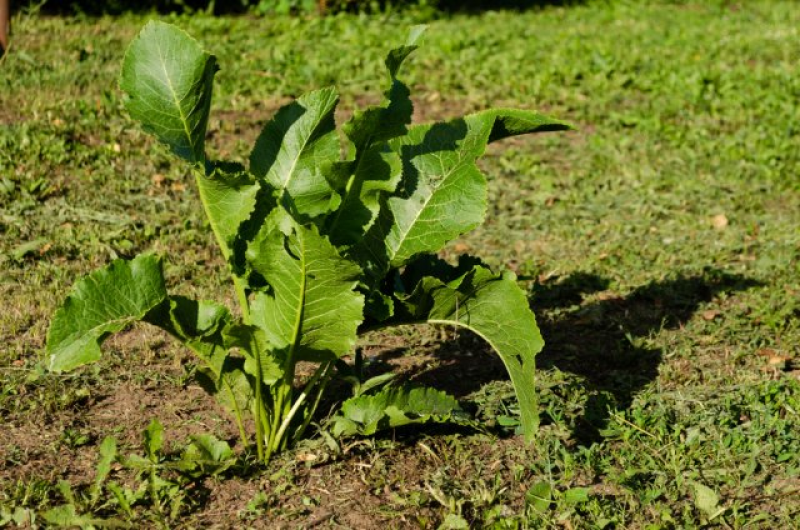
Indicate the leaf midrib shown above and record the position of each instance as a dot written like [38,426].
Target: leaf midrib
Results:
[296,159]
[181,115]
[424,206]
[298,325]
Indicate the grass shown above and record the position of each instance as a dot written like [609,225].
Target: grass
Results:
[660,242]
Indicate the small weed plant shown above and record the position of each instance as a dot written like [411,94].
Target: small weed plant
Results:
[321,247]
[205,456]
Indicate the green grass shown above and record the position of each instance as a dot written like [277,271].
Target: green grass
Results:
[659,320]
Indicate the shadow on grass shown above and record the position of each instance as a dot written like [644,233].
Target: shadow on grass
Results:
[595,340]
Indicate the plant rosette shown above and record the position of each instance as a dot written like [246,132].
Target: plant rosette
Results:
[320,249]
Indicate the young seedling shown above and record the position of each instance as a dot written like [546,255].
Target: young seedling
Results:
[320,248]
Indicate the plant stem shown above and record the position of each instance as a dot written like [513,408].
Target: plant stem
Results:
[320,391]
[258,406]
[321,371]
[241,295]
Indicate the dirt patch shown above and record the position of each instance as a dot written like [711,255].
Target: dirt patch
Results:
[8,116]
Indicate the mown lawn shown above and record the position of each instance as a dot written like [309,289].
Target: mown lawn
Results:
[660,243]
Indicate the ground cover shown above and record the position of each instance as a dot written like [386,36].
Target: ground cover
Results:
[659,244]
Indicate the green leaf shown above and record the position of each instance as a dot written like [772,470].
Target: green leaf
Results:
[207,455]
[376,170]
[378,306]
[108,454]
[576,495]
[65,489]
[294,148]
[153,440]
[705,499]
[168,80]
[396,57]
[388,120]
[102,303]
[211,448]
[495,308]
[191,321]
[395,407]
[442,194]
[515,122]
[454,522]
[224,378]
[124,497]
[375,382]
[362,184]
[66,516]
[539,497]
[230,195]
[253,342]
[311,308]
[200,326]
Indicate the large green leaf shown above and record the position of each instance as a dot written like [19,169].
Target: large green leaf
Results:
[311,308]
[375,170]
[192,322]
[494,307]
[102,303]
[364,182]
[442,193]
[168,80]
[230,196]
[395,407]
[295,148]
[388,120]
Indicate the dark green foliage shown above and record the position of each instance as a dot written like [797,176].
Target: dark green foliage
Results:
[310,238]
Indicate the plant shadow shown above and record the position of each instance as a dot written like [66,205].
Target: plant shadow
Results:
[595,340]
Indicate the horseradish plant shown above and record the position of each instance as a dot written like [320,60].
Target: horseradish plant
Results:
[320,249]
